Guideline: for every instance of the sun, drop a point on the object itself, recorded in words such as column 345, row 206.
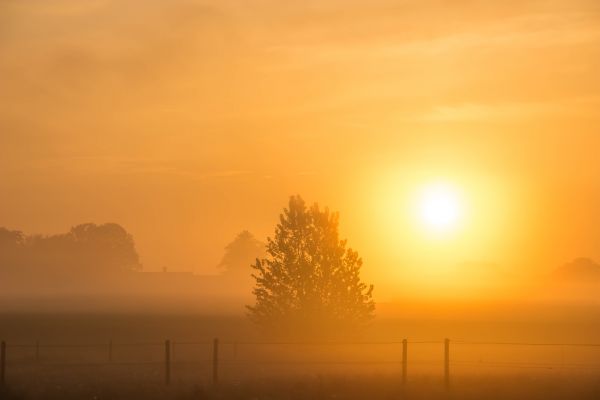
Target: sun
column 439, row 207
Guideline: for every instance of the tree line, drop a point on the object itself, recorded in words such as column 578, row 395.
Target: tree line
column 86, row 249
column 304, row 278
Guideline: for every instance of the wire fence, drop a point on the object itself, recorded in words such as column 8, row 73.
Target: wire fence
column 218, row 358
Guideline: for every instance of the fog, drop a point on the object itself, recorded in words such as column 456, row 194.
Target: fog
column 97, row 268
column 188, row 122
column 265, row 176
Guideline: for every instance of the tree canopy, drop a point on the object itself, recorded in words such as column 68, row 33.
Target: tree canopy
column 240, row 253
column 86, row 248
column 309, row 280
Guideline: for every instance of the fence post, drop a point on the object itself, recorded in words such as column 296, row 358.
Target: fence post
column 404, row 360
column 110, row 351
column 447, row 363
column 167, row 362
column 215, row 376
column 2, row 363
column 37, row 350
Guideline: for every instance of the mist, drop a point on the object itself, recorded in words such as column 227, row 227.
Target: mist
column 321, row 199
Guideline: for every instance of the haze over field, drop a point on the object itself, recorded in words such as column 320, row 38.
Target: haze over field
column 187, row 122
column 250, row 199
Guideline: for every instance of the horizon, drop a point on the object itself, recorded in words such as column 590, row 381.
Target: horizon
column 250, row 199
column 209, row 172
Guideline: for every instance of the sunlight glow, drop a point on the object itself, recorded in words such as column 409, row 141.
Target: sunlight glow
column 439, row 207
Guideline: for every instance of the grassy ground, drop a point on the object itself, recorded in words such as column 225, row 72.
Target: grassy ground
column 530, row 387
column 256, row 372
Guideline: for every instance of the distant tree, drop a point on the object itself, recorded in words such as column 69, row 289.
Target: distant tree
column 309, row 279
column 12, row 244
column 10, row 239
column 86, row 248
column 580, row 270
column 107, row 247
column 239, row 255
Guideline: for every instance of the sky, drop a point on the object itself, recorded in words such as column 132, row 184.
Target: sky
column 190, row 121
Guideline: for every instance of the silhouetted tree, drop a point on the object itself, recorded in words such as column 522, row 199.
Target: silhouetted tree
column 10, row 239
column 239, row 254
column 86, row 248
column 309, row 279
column 582, row 270
column 12, row 244
column 107, row 247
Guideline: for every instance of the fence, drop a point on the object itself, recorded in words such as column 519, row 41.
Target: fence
column 216, row 362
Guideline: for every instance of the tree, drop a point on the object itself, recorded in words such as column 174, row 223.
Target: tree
column 309, row 280
column 11, row 239
column 88, row 249
column 106, row 247
column 12, row 244
column 239, row 254
column 236, row 273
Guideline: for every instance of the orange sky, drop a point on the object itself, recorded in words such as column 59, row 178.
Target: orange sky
column 189, row 121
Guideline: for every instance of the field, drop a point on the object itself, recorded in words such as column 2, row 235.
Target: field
column 122, row 356
column 323, row 387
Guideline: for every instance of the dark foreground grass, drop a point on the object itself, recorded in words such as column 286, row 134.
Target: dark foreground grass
column 531, row 387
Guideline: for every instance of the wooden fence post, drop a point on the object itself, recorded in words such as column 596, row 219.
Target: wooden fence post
column 447, row 363
column 2, row 363
column 110, row 351
column 37, row 350
column 404, row 360
column 215, row 376
column 167, row 362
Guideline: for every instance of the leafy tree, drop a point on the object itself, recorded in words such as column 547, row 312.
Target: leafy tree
column 239, row 254
column 10, row 239
column 86, row 249
column 12, row 244
column 309, row 279
column 106, row 247
column 236, row 273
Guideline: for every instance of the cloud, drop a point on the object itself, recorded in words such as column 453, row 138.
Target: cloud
column 510, row 111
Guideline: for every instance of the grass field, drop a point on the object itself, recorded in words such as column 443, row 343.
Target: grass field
column 364, row 386
column 74, row 360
